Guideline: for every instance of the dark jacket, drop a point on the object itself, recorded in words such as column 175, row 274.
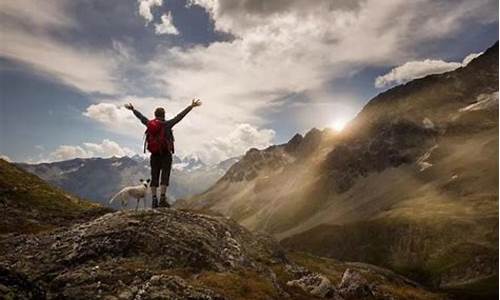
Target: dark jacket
column 169, row 124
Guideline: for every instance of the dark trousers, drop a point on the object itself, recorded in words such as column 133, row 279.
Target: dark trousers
column 160, row 164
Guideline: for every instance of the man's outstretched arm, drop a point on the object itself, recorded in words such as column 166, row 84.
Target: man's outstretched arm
column 139, row 116
column 182, row 114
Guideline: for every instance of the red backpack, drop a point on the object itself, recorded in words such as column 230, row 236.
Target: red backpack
column 156, row 139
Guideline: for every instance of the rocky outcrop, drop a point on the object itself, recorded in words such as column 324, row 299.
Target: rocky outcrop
column 16, row 286
column 255, row 161
column 169, row 287
column 317, row 285
column 157, row 254
column 358, row 281
column 390, row 144
column 275, row 158
column 129, row 253
column 355, row 286
column 302, row 147
column 294, row 143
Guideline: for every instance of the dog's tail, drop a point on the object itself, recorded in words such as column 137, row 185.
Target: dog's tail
column 118, row 195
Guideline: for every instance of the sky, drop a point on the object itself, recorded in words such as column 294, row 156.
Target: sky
column 264, row 69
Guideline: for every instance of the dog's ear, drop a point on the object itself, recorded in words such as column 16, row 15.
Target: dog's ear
column 148, row 180
column 141, row 180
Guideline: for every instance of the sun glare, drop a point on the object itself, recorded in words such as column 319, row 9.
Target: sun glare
column 338, row 124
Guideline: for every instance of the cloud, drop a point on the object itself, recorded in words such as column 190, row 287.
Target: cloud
column 197, row 134
column 106, row 148
column 286, row 48
column 47, row 14
column 145, row 7
column 415, row 69
column 166, row 26
column 426, row 18
column 65, row 152
column 116, row 118
column 108, row 113
column 280, row 48
column 26, row 32
column 470, row 57
column 418, row 69
column 89, row 72
column 236, row 143
column 237, row 16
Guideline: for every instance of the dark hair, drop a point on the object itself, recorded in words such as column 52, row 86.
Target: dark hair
column 160, row 113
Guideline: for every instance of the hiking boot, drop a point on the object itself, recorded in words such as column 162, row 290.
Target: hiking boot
column 163, row 201
column 154, row 203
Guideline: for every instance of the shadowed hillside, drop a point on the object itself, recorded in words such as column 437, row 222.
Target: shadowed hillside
column 31, row 205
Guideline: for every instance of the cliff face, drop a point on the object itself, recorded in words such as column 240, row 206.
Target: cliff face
column 168, row 254
column 411, row 183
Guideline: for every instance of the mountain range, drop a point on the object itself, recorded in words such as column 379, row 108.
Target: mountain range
column 411, row 183
column 98, row 179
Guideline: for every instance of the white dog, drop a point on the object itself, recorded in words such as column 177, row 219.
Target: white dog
column 137, row 192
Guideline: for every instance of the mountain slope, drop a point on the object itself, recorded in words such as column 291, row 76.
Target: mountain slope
column 168, row 254
column 31, row 205
column 411, row 183
column 265, row 185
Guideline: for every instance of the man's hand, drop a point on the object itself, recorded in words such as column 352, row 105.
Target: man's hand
column 129, row 106
column 195, row 102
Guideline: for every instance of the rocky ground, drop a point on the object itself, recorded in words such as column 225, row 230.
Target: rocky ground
column 174, row 254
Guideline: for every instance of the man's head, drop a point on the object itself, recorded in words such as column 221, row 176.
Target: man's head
column 160, row 113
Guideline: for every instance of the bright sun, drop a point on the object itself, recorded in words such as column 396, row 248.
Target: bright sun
column 338, row 124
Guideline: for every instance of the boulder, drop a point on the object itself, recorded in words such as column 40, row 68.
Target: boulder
column 355, row 286
column 317, row 285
